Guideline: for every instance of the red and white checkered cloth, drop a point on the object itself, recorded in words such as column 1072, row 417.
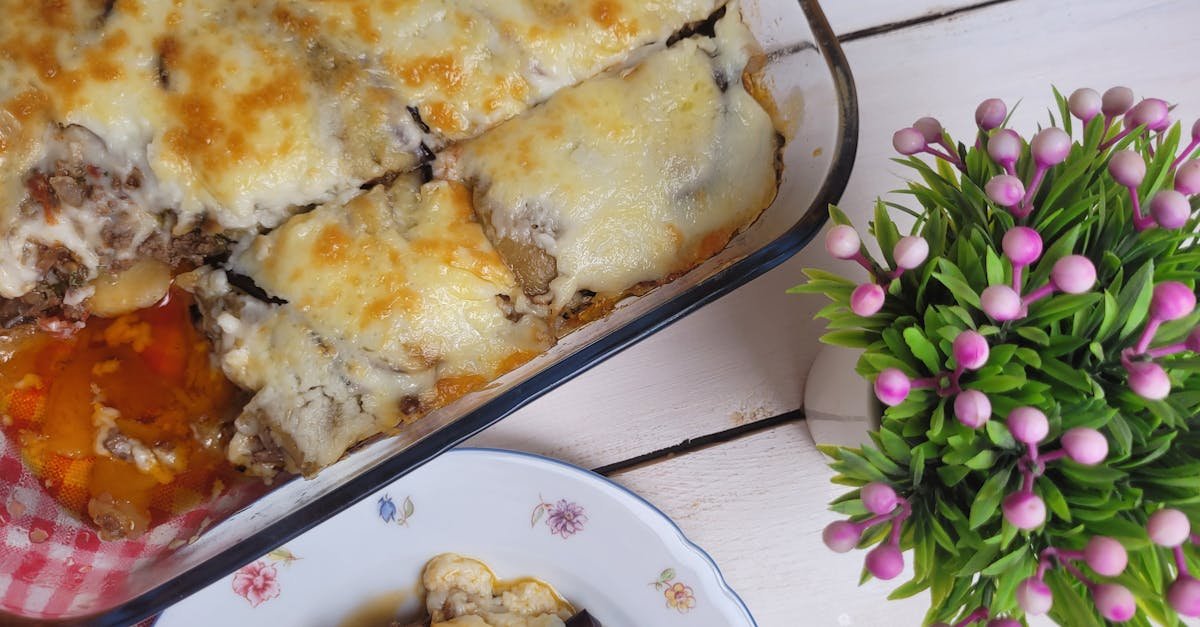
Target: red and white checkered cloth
column 53, row 565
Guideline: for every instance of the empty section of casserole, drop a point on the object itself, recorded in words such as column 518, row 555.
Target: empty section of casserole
column 366, row 315
column 628, row 179
column 162, row 130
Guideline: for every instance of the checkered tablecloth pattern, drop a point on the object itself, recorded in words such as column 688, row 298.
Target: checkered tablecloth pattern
column 52, row 565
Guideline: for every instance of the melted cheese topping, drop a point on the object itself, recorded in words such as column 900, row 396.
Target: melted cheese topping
column 235, row 113
column 469, row 64
column 396, row 304
column 628, row 178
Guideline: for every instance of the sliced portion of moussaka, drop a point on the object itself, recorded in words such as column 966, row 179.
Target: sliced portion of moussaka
column 626, row 180
column 133, row 130
column 464, row 65
column 365, row 315
column 162, row 130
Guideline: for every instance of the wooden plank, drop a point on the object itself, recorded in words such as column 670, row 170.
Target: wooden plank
column 851, row 16
column 758, row 506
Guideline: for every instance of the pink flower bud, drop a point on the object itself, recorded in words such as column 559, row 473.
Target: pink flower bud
column 885, row 562
column 1022, row 245
column 1149, row 381
column 1172, row 300
column 1050, row 146
column 1005, row 190
column 1001, row 302
column 1116, row 100
column 867, row 299
column 1153, row 113
column 1004, row 147
column 1169, row 528
column 1193, row 340
column 910, row 252
column 1034, row 596
column 972, row 408
column 1004, row 622
column 1105, row 556
column 990, row 113
column 892, row 386
column 1170, row 209
column 1073, row 274
column 1024, row 510
column 970, row 350
column 930, row 129
column 1127, row 168
column 1084, row 104
column 1184, row 596
column 1187, row 178
column 841, row 536
column 1085, row 445
column 878, row 498
column 908, row 141
column 1028, row 425
column 1196, row 131
column 842, row 242
column 1114, row 602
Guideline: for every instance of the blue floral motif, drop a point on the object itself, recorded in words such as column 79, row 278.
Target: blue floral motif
column 387, row 509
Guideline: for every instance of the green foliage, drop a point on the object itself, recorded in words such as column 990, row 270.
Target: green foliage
column 1063, row 358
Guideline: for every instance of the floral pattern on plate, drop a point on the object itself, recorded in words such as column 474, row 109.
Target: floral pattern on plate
column 565, row 518
column 679, row 596
column 258, row 582
column 389, row 513
column 516, row 512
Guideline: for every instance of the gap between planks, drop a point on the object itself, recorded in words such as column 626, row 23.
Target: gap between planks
column 692, row 445
column 916, row 21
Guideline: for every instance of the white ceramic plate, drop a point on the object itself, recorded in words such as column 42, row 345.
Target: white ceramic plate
column 604, row 548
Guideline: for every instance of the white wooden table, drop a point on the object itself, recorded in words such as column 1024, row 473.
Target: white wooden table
column 757, row 502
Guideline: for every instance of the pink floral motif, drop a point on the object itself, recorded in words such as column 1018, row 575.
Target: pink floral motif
column 256, row 583
column 564, row 518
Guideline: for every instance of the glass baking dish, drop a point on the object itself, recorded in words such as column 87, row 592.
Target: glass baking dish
column 807, row 74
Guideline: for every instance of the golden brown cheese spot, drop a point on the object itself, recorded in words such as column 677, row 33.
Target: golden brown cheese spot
column 332, row 245
column 450, row 389
column 397, row 297
column 305, row 26
column 363, row 26
column 607, row 13
column 27, row 104
column 443, row 116
column 441, row 70
column 216, row 137
column 279, row 92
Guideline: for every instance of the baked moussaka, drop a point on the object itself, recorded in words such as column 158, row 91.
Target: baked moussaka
column 312, row 222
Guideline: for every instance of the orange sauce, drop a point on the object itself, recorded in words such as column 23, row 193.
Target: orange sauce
column 121, row 420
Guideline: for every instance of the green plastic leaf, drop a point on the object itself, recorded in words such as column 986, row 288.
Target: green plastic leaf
column 987, row 500
column 922, row 349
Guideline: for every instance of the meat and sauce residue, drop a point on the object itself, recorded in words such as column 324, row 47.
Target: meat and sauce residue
column 122, row 420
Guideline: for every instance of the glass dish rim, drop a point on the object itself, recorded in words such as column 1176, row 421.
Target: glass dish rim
column 707, row 290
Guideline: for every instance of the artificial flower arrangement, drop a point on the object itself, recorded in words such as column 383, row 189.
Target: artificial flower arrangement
column 1034, row 340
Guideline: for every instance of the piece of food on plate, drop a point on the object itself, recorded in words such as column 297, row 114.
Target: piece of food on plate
column 464, row 591
column 626, row 180
column 160, row 130
column 361, row 317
